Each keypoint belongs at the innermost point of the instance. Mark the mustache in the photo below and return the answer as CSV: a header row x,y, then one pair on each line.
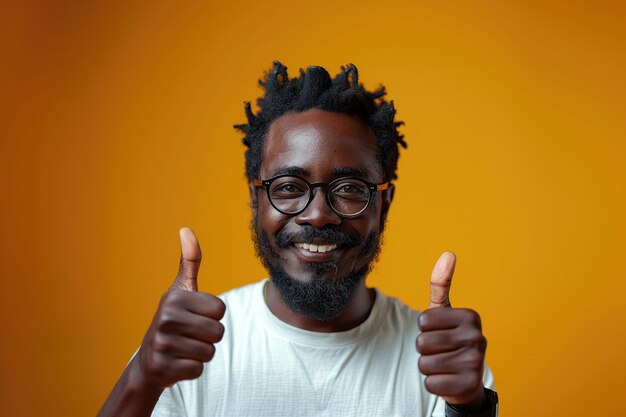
x,y
306,234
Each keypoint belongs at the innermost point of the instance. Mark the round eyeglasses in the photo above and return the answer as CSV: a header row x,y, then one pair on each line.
x,y
291,194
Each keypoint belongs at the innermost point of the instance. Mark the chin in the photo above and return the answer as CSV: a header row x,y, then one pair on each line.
x,y
314,271
319,296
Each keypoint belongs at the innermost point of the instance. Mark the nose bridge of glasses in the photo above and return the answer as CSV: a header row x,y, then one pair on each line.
x,y
324,191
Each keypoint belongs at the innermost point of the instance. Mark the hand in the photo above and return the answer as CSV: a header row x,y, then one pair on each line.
x,y
185,326
451,343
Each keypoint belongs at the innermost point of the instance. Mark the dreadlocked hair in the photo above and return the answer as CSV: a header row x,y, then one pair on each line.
x,y
315,89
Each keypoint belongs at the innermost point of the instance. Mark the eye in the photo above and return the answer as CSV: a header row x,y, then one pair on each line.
x,y
348,189
288,189
352,190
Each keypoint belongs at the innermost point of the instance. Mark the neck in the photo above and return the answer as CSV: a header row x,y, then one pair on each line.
x,y
356,313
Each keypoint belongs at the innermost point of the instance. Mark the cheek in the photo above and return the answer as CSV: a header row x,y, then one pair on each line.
x,y
270,219
371,222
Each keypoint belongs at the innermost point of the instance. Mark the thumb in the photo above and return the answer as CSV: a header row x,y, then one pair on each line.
x,y
191,255
441,280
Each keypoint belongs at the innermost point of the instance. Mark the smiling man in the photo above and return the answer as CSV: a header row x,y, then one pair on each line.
x,y
313,339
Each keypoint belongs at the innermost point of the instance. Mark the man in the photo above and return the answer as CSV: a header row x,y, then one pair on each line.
x,y
313,339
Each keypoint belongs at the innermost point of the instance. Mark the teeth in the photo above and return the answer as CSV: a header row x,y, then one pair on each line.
x,y
316,248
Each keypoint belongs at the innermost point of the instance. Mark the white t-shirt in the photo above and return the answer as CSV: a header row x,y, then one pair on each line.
x,y
266,367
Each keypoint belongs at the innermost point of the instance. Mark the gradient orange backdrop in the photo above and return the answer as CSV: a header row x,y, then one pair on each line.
x,y
116,130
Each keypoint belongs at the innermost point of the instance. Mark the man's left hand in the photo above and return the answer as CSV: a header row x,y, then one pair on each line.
x,y
451,343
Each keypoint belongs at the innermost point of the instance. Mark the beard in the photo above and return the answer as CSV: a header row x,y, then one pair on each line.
x,y
316,298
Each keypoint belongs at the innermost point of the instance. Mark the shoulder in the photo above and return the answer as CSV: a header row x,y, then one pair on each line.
x,y
395,306
396,314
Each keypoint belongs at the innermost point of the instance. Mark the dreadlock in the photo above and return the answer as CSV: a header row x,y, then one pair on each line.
x,y
315,89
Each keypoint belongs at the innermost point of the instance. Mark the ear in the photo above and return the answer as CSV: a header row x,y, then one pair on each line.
x,y
386,199
254,193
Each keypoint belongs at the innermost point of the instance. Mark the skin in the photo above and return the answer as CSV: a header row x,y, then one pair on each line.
x,y
186,328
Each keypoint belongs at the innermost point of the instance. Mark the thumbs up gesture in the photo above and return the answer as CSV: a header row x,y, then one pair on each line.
x,y
185,327
451,343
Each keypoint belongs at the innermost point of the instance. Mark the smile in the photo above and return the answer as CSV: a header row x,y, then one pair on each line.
x,y
316,248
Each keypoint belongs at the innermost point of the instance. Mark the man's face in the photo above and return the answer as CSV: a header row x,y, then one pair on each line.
x,y
319,146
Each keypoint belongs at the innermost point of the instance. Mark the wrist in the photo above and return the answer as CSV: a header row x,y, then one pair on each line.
x,y
477,402
488,407
137,383
132,395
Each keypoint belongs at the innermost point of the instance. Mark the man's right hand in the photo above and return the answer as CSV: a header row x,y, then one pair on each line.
x,y
180,339
185,327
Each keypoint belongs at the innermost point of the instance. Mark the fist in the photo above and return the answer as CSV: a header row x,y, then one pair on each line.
x,y
185,327
451,343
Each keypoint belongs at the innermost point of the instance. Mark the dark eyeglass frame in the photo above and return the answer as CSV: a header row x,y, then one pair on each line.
x,y
326,186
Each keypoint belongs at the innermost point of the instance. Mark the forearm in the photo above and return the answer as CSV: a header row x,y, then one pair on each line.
x,y
131,396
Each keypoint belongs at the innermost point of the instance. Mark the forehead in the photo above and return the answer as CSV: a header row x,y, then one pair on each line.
x,y
321,145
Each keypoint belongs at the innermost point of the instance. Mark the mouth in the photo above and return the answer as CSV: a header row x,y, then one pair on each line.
x,y
313,248
317,252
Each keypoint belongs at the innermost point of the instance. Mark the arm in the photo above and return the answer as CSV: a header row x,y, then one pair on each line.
x,y
131,396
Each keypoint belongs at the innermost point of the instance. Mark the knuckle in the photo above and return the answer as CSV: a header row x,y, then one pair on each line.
x,y
162,345
166,321
218,308
472,317
175,296
480,342
474,359
156,368
475,337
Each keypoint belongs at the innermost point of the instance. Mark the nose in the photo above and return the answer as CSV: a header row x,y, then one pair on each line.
x,y
318,213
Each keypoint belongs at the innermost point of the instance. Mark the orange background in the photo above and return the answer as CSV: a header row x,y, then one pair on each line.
x,y
116,130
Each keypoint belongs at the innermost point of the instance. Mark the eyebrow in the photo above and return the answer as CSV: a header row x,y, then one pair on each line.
x,y
291,170
349,172
336,172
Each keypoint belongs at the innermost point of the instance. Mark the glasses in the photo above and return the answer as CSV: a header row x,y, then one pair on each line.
x,y
291,194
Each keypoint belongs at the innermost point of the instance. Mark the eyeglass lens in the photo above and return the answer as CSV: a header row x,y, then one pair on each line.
x,y
292,194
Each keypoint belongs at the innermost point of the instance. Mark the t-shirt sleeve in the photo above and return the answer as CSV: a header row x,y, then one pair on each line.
x,y
440,405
